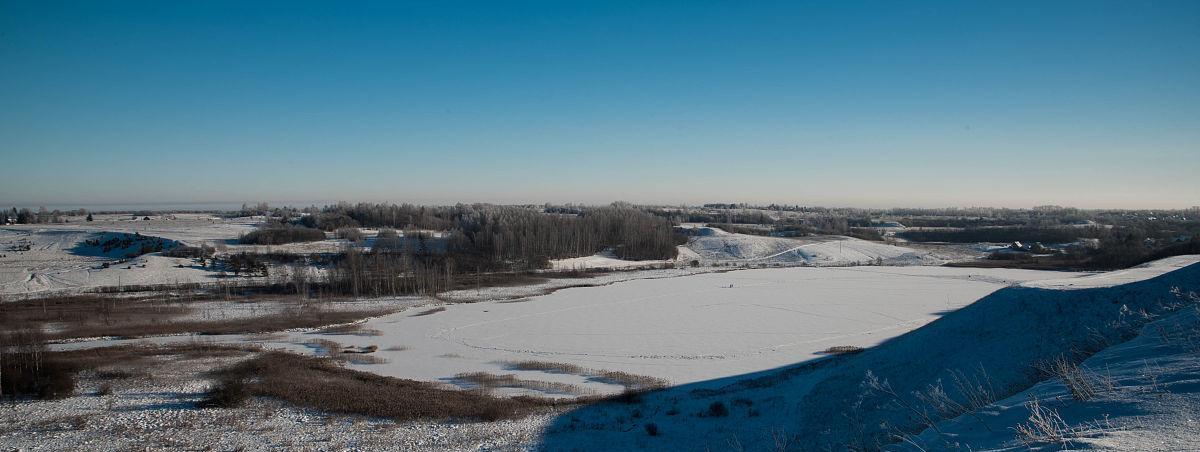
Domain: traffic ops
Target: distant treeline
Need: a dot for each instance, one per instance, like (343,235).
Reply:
(516,234)
(26,216)
(1002,234)
(1114,252)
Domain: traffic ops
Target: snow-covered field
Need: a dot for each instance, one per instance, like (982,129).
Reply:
(684,329)
(752,339)
(736,345)
(52,258)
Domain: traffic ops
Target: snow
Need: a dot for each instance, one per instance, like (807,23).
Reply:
(160,413)
(713,245)
(59,261)
(683,329)
(822,404)
(1149,398)
(750,339)
(1118,277)
(605,260)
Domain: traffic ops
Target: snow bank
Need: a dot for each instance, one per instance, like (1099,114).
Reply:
(724,247)
(823,404)
(1148,398)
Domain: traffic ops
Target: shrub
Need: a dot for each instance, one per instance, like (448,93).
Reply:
(227,393)
(26,368)
(1045,425)
(281,234)
(352,234)
(652,429)
(717,409)
(842,350)
(203,251)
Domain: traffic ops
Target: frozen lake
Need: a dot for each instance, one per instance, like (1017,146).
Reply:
(684,329)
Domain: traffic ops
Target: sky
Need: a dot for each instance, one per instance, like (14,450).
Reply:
(1091,104)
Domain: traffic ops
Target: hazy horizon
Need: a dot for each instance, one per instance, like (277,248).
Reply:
(235,205)
(858,104)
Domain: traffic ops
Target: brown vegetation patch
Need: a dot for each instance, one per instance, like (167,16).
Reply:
(429,311)
(30,369)
(86,309)
(322,384)
(841,350)
(300,318)
(350,329)
(353,355)
(492,381)
(630,381)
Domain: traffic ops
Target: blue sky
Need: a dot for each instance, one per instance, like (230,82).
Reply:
(1089,104)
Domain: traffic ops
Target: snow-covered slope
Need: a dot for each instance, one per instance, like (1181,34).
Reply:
(712,246)
(825,404)
(1147,397)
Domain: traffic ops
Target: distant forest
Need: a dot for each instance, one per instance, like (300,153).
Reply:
(513,233)
(480,241)
(42,216)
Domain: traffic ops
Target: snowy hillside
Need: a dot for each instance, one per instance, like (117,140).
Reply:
(1140,395)
(715,245)
(712,246)
(950,367)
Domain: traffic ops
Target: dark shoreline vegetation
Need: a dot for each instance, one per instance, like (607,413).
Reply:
(321,384)
(105,316)
(30,371)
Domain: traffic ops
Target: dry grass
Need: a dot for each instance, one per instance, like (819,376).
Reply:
(545,366)
(57,371)
(351,329)
(322,384)
(140,327)
(1045,425)
(1081,382)
(429,311)
(841,350)
(492,381)
(628,380)
(82,310)
(129,317)
(351,355)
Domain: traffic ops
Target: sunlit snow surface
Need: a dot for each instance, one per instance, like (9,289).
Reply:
(682,329)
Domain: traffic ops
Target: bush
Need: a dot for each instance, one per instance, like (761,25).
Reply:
(281,234)
(194,252)
(841,350)
(228,393)
(652,429)
(717,409)
(352,234)
(27,369)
